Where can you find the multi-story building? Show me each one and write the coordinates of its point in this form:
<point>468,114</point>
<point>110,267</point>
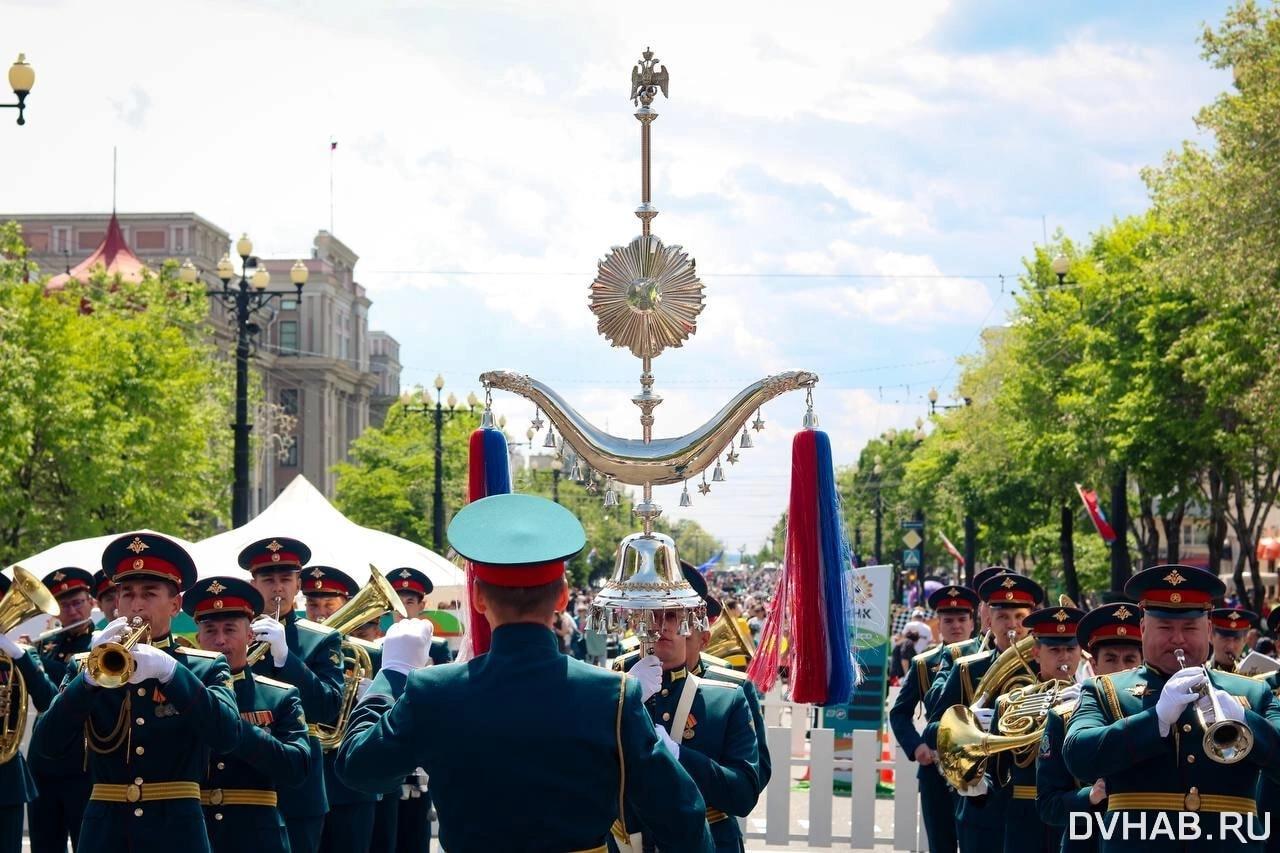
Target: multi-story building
<point>319,384</point>
<point>384,360</point>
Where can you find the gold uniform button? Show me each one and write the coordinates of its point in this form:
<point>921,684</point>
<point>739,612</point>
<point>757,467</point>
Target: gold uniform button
<point>1186,727</point>
<point>138,781</point>
<point>666,717</point>
<point>140,721</point>
<point>137,812</point>
<point>139,750</point>
<point>142,691</point>
<point>1191,759</point>
<point>222,765</point>
<point>217,816</point>
<point>665,691</point>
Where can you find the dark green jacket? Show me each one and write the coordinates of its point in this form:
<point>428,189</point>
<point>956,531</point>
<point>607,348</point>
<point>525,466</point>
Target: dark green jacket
<point>314,666</point>
<point>16,784</point>
<point>56,654</point>
<point>932,693</point>
<point>1115,735</point>
<point>716,672</point>
<point>1012,777</point>
<point>1059,794</point>
<point>167,733</point>
<point>338,793</point>
<point>272,752</point>
<point>526,720</point>
<point>920,675</point>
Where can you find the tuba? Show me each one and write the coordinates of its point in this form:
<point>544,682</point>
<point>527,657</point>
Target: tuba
<point>110,664</point>
<point>728,642</point>
<point>374,599</point>
<point>26,597</point>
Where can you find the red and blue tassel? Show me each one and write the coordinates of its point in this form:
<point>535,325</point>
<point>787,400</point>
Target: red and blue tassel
<point>488,473</point>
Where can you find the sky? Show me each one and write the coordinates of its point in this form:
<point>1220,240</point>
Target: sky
<point>858,181</point>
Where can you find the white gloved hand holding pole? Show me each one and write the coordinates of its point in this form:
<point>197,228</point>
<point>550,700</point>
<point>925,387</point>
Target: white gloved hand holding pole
<point>648,671</point>
<point>268,630</point>
<point>1178,692</point>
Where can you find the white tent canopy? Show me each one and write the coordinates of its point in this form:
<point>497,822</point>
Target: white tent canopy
<point>302,512</point>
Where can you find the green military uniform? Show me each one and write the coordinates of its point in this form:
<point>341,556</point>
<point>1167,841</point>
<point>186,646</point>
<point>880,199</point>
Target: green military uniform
<point>149,742</point>
<point>349,825</point>
<point>936,804</point>
<point>526,707</point>
<point>314,666</point>
<point>239,790</point>
<point>1268,793</point>
<point>1115,734</point>
<point>979,820</point>
<point>718,672</point>
<point>62,786</point>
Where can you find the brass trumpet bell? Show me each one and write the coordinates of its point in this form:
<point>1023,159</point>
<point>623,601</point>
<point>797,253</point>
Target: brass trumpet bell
<point>27,597</point>
<point>646,581</point>
<point>111,664</point>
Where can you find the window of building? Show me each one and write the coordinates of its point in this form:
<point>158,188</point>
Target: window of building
<point>289,401</point>
<point>90,239</point>
<point>289,336</point>
<point>149,240</point>
<point>288,303</point>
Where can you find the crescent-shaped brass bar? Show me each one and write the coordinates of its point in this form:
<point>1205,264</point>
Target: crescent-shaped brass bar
<point>663,460</point>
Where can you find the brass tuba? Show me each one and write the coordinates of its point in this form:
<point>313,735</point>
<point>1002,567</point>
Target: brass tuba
<point>374,599</point>
<point>728,642</point>
<point>26,597</point>
<point>110,664</point>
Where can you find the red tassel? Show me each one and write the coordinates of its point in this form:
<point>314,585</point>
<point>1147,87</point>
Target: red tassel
<point>476,489</point>
<point>808,651</point>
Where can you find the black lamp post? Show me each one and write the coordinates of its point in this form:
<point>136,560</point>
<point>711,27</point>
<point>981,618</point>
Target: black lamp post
<point>243,301</point>
<point>970,529</point>
<point>21,78</point>
<point>440,411</point>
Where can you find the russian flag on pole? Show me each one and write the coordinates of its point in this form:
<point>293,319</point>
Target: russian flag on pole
<point>811,613</point>
<point>488,473</point>
<point>1091,506</point>
<point>951,549</point>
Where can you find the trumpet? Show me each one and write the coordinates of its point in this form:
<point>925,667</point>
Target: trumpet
<point>1225,741</point>
<point>259,650</point>
<point>110,664</point>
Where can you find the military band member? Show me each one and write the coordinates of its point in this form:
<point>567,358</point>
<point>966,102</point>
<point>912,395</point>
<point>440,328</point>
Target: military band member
<point>1140,731</point>
<point>1268,794</point>
<point>104,591</point>
<point>62,786</point>
<point>953,651</point>
<point>1230,625</point>
<point>956,607</point>
<point>239,791</point>
<point>1010,599</point>
<point>1112,634</point>
<point>1012,775</point>
<point>305,654</point>
<point>148,739</point>
<point>17,787</point>
<point>526,707</point>
<point>413,820</point>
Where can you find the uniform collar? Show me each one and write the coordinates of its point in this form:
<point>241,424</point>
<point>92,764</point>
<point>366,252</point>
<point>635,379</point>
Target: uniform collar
<point>671,676</point>
<point>696,669</point>
<point>242,675</point>
<point>165,642</point>
<point>517,637</point>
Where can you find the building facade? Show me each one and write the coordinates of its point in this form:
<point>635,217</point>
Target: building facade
<point>314,358</point>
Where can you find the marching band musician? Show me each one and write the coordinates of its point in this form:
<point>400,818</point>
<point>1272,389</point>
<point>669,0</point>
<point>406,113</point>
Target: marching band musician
<point>1269,788</point>
<point>348,827</point>
<point>953,651</point>
<point>956,607</point>
<point>302,653</point>
<point>1142,730</point>
<point>104,592</point>
<point>149,738</point>
<point>1010,599</point>
<point>1230,625</point>
<point>409,718</point>
<point>62,787</point>
<point>1012,777</point>
<point>17,787</point>
<point>1112,634</point>
<point>239,793</point>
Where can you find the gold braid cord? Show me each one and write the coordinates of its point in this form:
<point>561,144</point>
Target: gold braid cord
<point>121,735</point>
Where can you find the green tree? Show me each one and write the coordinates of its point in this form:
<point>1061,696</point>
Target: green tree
<point>115,409</point>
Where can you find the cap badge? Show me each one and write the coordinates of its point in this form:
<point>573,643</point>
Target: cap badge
<point>1122,631</point>
<point>1233,616</point>
<point>1062,629</point>
<point>1122,613</point>
<point>59,576</point>
<point>216,588</point>
<point>405,573</point>
<point>1061,616</point>
<point>953,592</point>
<point>317,572</point>
<point>1008,596</point>
<point>1173,578</point>
<point>274,546</point>
<point>137,546</point>
<point>1175,597</point>
<point>217,604</point>
<point>319,584</point>
<point>138,564</point>
<point>1008,583</point>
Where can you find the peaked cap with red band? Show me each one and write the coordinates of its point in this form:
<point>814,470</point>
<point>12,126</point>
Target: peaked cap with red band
<point>67,580</point>
<point>148,555</point>
<point>212,598</point>
<point>1054,626</point>
<point>516,540</point>
<point>1233,620</point>
<point>274,554</point>
<point>408,579</point>
<point>1009,590</point>
<point>1111,623</point>
<point>326,580</point>
<point>984,575</point>
<point>101,583</point>
<point>954,598</point>
<point>1174,591</point>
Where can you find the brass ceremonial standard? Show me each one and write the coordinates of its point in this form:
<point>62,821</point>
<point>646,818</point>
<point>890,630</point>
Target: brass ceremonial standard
<point>375,599</point>
<point>110,664</point>
<point>27,597</point>
<point>1225,741</point>
<point>647,297</point>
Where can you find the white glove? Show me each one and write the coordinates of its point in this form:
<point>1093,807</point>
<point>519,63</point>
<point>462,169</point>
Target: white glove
<point>1230,705</point>
<point>362,688</point>
<point>984,716</point>
<point>406,645</point>
<point>270,631</point>
<point>150,662</point>
<point>1178,693</point>
<point>664,738</point>
<point>1068,694</point>
<point>9,648</point>
<point>977,789</point>
<point>110,632</point>
<point>648,671</point>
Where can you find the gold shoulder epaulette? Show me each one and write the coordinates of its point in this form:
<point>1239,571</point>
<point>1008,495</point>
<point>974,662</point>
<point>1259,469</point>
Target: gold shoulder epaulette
<point>722,684</point>
<point>712,660</point>
<point>970,659</point>
<point>927,654</point>
<point>735,675</point>
<point>314,626</point>
<point>271,682</point>
<point>620,662</point>
<point>183,642</point>
<point>200,653</point>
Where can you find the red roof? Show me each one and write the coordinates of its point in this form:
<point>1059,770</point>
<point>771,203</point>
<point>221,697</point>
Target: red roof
<point>113,254</point>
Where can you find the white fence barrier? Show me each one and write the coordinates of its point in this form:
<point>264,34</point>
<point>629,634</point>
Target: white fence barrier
<point>794,743</point>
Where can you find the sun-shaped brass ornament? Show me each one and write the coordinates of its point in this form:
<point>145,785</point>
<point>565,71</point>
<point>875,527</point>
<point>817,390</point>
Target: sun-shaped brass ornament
<point>646,296</point>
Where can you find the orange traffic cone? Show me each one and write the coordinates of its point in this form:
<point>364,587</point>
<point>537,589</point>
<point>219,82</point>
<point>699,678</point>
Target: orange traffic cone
<point>886,773</point>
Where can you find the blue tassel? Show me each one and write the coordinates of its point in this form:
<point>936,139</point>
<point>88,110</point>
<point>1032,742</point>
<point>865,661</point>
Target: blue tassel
<point>835,559</point>
<point>497,473</point>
